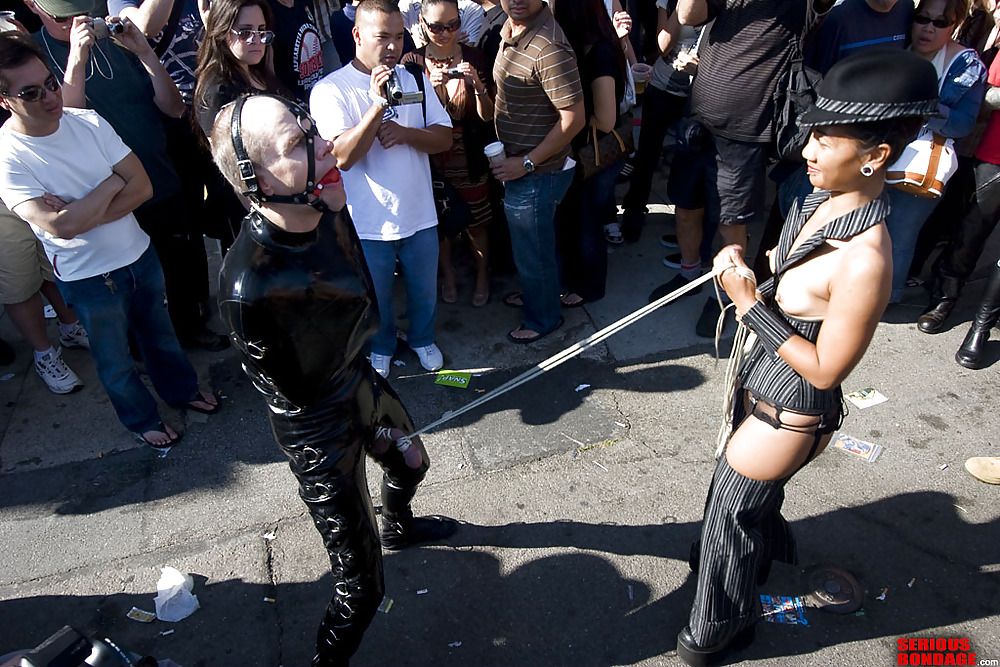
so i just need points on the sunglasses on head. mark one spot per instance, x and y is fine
(920, 19)
(36, 93)
(265, 36)
(438, 28)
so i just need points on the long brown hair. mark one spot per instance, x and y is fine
(216, 61)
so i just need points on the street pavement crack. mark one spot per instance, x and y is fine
(273, 588)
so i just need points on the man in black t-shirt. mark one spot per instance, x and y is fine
(746, 50)
(298, 47)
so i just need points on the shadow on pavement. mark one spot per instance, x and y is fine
(511, 605)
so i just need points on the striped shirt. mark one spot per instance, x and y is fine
(536, 75)
(767, 376)
(745, 52)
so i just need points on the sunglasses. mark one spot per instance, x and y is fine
(265, 36)
(920, 19)
(438, 28)
(36, 93)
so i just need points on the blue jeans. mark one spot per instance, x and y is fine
(109, 306)
(530, 204)
(907, 215)
(582, 250)
(418, 255)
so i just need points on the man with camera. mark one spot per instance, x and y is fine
(383, 128)
(124, 81)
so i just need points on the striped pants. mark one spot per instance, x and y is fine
(742, 533)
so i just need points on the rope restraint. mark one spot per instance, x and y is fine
(567, 354)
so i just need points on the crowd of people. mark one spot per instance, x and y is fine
(325, 148)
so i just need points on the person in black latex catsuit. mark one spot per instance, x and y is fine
(298, 299)
(813, 322)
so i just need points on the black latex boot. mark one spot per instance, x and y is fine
(942, 303)
(400, 529)
(970, 354)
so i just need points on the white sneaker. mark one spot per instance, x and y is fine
(430, 357)
(76, 338)
(380, 362)
(56, 374)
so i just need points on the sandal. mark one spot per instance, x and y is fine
(530, 339)
(190, 405)
(571, 300)
(159, 428)
(613, 233)
(514, 300)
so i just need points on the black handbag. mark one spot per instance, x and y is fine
(602, 152)
(453, 212)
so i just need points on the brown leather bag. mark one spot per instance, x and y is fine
(602, 152)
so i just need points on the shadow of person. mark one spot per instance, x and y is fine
(568, 592)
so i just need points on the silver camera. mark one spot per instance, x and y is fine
(103, 29)
(395, 95)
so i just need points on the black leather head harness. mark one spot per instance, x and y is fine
(252, 190)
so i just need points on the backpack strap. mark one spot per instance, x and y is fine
(418, 73)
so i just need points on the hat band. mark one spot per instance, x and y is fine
(865, 111)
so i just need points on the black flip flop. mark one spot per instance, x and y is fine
(525, 341)
(162, 429)
(514, 300)
(201, 398)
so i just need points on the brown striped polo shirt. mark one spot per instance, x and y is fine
(536, 75)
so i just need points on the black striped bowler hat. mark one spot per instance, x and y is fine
(878, 84)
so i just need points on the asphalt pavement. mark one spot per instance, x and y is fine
(580, 494)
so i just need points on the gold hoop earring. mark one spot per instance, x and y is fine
(867, 171)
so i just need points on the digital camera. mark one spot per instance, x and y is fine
(103, 29)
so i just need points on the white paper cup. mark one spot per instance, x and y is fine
(495, 152)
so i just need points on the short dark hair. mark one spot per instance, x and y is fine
(16, 49)
(896, 132)
(381, 6)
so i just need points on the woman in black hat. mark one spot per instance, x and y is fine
(813, 322)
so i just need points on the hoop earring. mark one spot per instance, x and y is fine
(867, 171)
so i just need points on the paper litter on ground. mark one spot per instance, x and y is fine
(866, 398)
(784, 609)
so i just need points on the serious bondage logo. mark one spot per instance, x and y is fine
(935, 651)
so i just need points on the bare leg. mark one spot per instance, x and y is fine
(688, 224)
(480, 240)
(449, 290)
(65, 314)
(28, 318)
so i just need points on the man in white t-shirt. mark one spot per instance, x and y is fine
(70, 176)
(382, 151)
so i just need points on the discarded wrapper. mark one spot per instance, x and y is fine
(912, 581)
(455, 644)
(783, 609)
(881, 593)
(865, 398)
(422, 591)
(268, 599)
(397, 362)
(268, 536)
(386, 605)
(141, 615)
(582, 387)
(458, 379)
(867, 450)
(174, 600)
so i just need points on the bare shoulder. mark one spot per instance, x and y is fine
(865, 257)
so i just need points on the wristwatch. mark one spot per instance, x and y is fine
(529, 166)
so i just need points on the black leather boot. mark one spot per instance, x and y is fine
(970, 354)
(400, 529)
(943, 301)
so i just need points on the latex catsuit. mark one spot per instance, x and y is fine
(300, 308)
